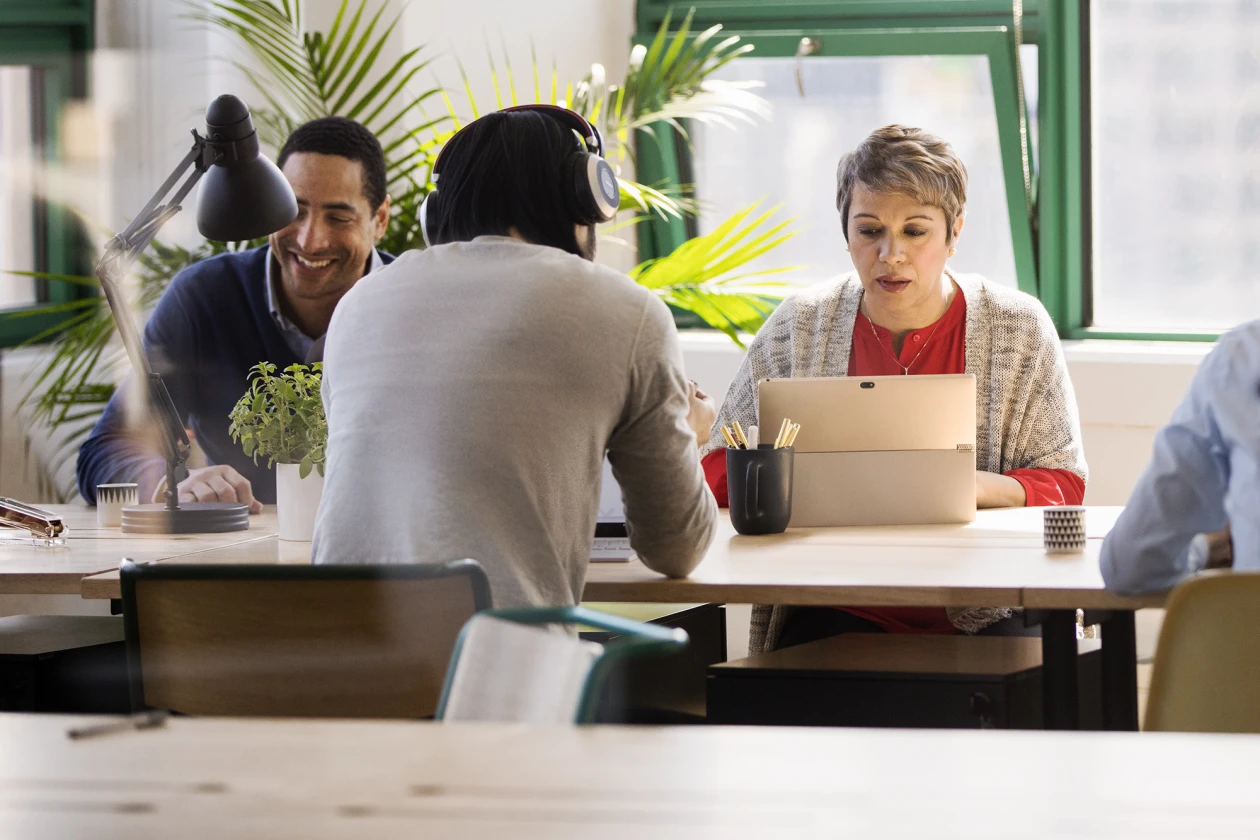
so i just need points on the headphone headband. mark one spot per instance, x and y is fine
(590, 135)
(588, 184)
(591, 138)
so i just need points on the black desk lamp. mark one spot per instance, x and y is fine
(243, 196)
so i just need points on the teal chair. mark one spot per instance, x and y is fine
(507, 667)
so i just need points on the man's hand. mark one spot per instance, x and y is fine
(701, 412)
(219, 483)
(1220, 550)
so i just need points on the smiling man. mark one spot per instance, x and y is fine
(222, 316)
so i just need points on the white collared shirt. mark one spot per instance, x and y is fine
(298, 341)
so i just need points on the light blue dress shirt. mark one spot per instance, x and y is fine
(298, 341)
(1204, 473)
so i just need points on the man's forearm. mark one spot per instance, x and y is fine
(112, 460)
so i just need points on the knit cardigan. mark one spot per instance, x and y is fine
(1026, 415)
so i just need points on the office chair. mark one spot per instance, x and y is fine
(317, 641)
(1207, 667)
(505, 667)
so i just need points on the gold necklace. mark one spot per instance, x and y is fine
(905, 369)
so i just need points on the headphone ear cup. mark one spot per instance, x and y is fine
(426, 207)
(595, 191)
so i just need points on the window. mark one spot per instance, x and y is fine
(41, 72)
(17, 187)
(793, 158)
(1176, 150)
(867, 65)
(1143, 144)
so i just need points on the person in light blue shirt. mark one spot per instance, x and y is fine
(1201, 491)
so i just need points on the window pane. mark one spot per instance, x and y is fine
(17, 204)
(792, 158)
(1176, 184)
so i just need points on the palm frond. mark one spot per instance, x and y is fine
(306, 75)
(646, 200)
(81, 348)
(736, 314)
(714, 102)
(703, 274)
(669, 80)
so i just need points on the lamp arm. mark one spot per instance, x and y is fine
(121, 252)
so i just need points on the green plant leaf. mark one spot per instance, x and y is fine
(281, 416)
(698, 276)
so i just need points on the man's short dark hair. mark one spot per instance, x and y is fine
(345, 138)
(508, 171)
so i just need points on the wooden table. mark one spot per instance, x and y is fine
(59, 570)
(993, 561)
(205, 778)
(998, 560)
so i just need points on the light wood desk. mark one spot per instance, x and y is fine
(990, 562)
(202, 778)
(58, 570)
(998, 560)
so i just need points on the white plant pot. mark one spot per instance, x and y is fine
(297, 502)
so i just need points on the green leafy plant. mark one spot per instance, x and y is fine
(304, 74)
(707, 275)
(67, 392)
(281, 417)
(669, 81)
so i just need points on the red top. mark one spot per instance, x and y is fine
(936, 349)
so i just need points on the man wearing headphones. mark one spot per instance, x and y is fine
(473, 389)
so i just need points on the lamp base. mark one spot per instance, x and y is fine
(188, 518)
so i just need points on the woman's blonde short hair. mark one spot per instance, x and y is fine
(900, 159)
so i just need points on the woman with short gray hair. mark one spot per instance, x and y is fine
(901, 196)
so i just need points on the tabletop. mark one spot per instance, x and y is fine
(997, 560)
(196, 778)
(56, 570)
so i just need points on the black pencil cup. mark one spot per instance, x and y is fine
(759, 483)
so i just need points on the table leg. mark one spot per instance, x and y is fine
(1119, 670)
(1059, 692)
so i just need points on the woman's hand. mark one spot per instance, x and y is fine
(701, 413)
(996, 491)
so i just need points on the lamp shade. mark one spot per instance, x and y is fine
(242, 195)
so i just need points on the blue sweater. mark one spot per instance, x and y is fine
(210, 327)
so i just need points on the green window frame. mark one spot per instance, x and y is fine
(53, 37)
(1052, 229)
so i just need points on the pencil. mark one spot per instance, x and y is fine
(778, 439)
(791, 438)
(739, 433)
(730, 441)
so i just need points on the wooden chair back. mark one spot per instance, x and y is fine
(301, 641)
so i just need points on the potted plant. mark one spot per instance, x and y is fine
(281, 418)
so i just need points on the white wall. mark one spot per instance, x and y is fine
(572, 34)
(153, 73)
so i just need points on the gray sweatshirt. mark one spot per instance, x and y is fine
(472, 391)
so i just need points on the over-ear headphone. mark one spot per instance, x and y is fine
(590, 186)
